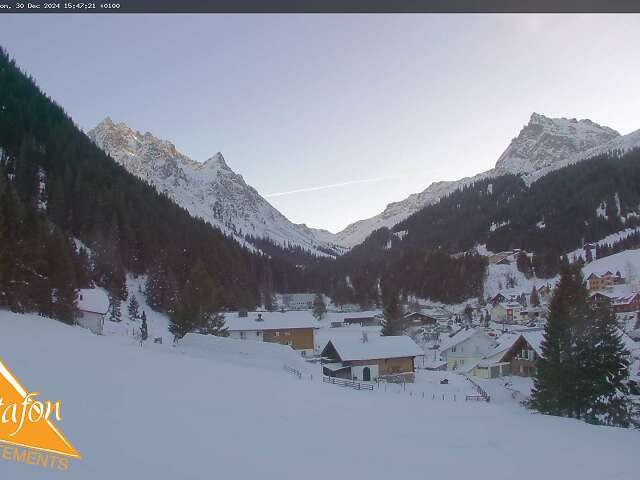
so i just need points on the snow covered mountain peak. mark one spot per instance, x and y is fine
(545, 141)
(544, 144)
(209, 190)
(216, 161)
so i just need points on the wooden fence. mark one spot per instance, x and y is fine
(347, 383)
(292, 371)
(481, 395)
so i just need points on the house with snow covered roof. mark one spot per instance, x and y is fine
(463, 350)
(603, 281)
(93, 304)
(296, 329)
(371, 357)
(515, 354)
(508, 312)
(364, 319)
(627, 303)
(420, 318)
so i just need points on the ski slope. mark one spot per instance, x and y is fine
(194, 412)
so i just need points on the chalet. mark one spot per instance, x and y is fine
(510, 295)
(365, 320)
(420, 318)
(296, 329)
(515, 354)
(599, 298)
(510, 313)
(93, 304)
(497, 298)
(371, 357)
(600, 282)
(630, 303)
(622, 304)
(463, 350)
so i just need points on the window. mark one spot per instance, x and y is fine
(453, 349)
(258, 334)
(277, 334)
(243, 335)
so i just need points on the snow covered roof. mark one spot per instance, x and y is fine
(534, 339)
(350, 349)
(461, 336)
(625, 300)
(334, 367)
(505, 343)
(93, 300)
(272, 321)
(511, 305)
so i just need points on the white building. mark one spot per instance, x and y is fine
(466, 348)
(93, 304)
(296, 329)
(299, 301)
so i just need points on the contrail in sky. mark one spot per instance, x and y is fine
(333, 185)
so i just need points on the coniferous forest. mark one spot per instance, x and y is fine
(72, 217)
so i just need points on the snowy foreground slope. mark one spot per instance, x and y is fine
(160, 412)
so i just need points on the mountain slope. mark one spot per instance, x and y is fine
(543, 145)
(209, 190)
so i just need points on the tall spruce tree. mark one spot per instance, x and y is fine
(319, 307)
(607, 366)
(556, 386)
(197, 302)
(62, 280)
(534, 298)
(393, 322)
(144, 329)
(215, 325)
(114, 314)
(133, 308)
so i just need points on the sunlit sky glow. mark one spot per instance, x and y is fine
(331, 117)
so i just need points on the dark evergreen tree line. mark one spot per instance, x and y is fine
(57, 186)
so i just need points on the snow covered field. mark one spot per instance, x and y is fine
(161, 412)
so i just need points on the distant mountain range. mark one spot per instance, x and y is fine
(209, 190)
(543, 145)
(214, 192)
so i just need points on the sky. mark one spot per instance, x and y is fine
(332, 117)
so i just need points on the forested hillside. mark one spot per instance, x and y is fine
(57, 186)
(557, 214)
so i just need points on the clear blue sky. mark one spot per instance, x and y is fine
(301, 101)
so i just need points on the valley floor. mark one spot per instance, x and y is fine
(194, 412)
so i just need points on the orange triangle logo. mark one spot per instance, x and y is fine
(24, 420)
